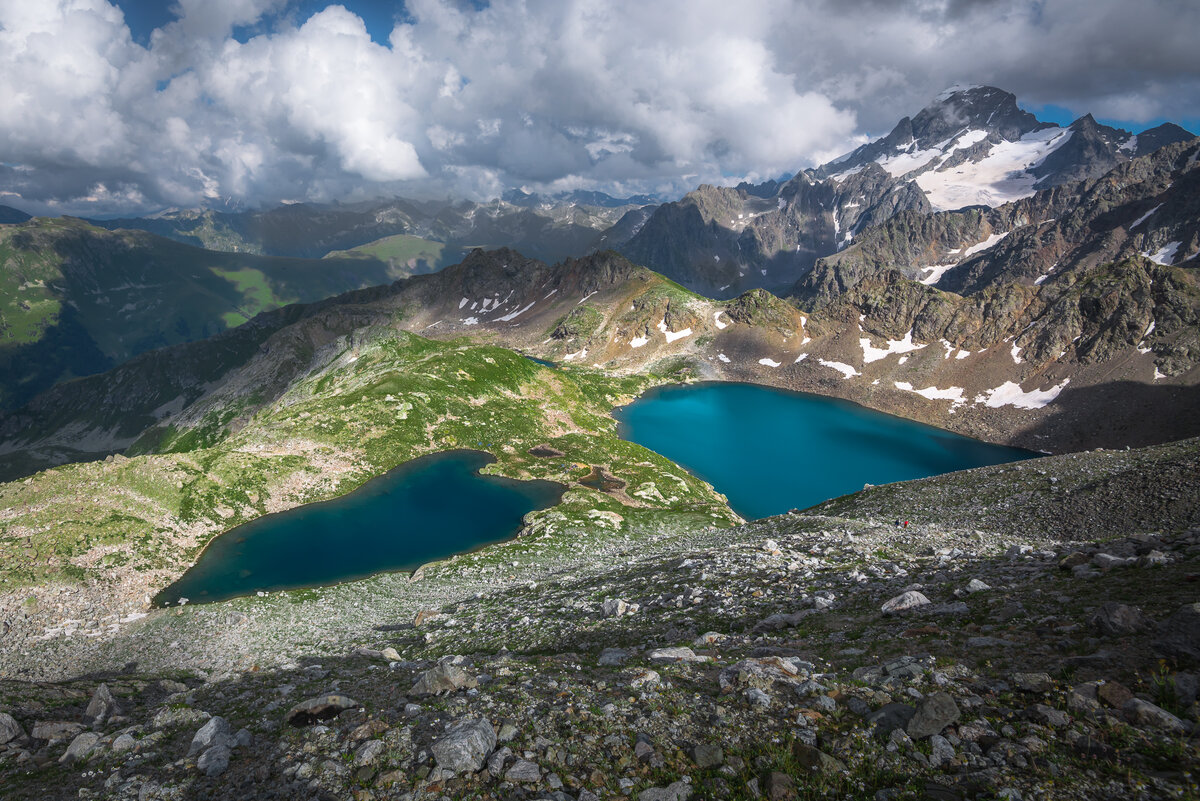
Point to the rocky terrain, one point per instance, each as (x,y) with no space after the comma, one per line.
(885,646)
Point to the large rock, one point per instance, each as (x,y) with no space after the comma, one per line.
(215,732)
(1180,638)
(904,602)
(668,655)
(443,678)
(935,712)
(214,761)
(524,771)
(102,706)
(9,728)
(323,707)
(890,717)
(1144,713)
(55,730)
(676,791)
(1118,620)
(816,760)
(80,747)
(466,745)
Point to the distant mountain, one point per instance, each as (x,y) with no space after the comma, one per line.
(581,197)
(76,299)
(9,215)
(970,147)
(551,230)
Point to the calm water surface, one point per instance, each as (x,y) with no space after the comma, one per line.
(423,510)
(771,450)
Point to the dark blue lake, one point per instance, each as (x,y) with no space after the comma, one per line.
(770,450)
(423,510)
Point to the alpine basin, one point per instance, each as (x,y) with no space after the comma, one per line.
(425,509)
(771,450)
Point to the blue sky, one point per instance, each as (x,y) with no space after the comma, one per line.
(259,102)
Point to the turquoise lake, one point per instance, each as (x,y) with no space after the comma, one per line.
(769,450)
(423,510)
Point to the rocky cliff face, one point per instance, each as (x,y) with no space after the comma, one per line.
(970,147)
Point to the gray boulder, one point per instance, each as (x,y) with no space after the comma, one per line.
(102,706)
(1117,620)
(214,761)
(890,717)
(323,707)
(80,747)
(935,712)
(676,791)
(523,771)
(1180,637)
(213,733)
(1144,713)
(466,745)
(443,678)
(904,603)
(9,728)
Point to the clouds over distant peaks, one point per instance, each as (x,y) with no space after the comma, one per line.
(614,95)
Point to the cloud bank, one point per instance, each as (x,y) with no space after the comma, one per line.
(620,95)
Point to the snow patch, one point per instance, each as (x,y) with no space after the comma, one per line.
(1010,394)
(717,320)
(463,302)
(801,358)
(934,273)
(874,354)
(952,394)
(984,245)
(579,354)
(723,357)
(588,295)
(846,370)
(1001,176)
(514,315)
(470,321)
(769,363)
(1016,354)
(1164,255)
(672,335)
(1145,216)
(637,342)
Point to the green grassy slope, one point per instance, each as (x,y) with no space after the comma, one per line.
(386,398)
(76,299)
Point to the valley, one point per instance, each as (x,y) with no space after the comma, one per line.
(634,632)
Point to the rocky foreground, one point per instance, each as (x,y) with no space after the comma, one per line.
(801,656)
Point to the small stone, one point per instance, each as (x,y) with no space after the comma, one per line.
(1114,693)
(80,747)
(668,655)
(369,752)
(1032,682)
(613,656)
(935,712)
(614,607)
(465,746)
(814,759)
(443,678)
(391,654)
(780,787)
(975,585)
(904,602)
(323,707)
(123,743)
(497,761)
(1106,561)
(1048,716)
(708,756)
(523,771)
(942,753)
